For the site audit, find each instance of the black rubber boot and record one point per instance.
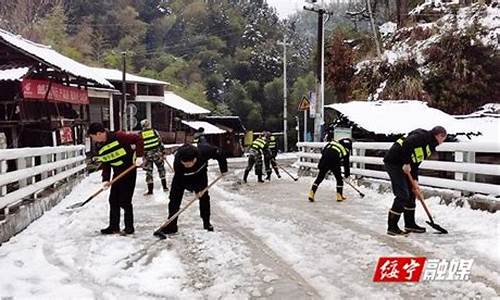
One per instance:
(245, 176)
(164, 184)
(260, 178)
(207, 226)
(128, 230)
(393, 228)
(410, 225)
(268, 177)
(150, 189)
(110, 230)
(170, 229)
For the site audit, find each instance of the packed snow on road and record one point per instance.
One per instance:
(269, 242)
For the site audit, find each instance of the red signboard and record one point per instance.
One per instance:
(66, 135)
(36, 89)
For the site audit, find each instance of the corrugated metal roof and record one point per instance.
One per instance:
(13, 74)
(116, 75)
(53, 58)
(209, 128)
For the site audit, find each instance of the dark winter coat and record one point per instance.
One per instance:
(413, 149)
(198, 173)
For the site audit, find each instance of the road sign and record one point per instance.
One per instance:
(133, 122)
(132, 109)
(304, 104)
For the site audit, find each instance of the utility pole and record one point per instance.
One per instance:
(123, 110)
(285, 114)
(319, 117)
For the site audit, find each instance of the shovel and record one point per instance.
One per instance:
(80, 204)
(421, 198)
(284, 170)
(158, 232)
(352, 185)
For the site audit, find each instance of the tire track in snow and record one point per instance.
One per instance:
(293, 285)
(339, 217)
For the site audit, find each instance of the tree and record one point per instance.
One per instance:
(339, 66)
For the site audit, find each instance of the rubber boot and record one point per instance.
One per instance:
(259, 178)
(410, 225)
(268, 177)
(110, 230)
(164, 184)
(310, 196)
(245, 176)
(150, 190)
(207, 226)
(392, 221)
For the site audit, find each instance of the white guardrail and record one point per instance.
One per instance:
(463, 166)
(35, 170)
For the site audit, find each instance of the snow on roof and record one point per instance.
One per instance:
(397, 117)
(489, 127)
(175, 101)
(13, 74)
(116, 75)
(209, 128)
(52, 57)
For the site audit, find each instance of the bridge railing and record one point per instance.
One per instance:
(25, 172)
(456, 158)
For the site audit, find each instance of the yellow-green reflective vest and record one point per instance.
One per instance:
(112, 153)
(419, 153)
(259, 144)
(151, 140)
(272, 143)
(343, 152)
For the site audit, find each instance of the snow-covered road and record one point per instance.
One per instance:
(269, 242)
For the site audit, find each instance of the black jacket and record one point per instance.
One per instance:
(330, 158)
(198, 173)
(401, 152)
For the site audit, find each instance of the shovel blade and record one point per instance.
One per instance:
(76, 205)
(437, 227)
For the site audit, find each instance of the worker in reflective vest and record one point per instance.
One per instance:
(153, 154)
(405, 156)
(270, 157)
(115, 152)
(333, 155)
(255, 154)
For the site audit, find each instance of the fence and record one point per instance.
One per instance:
(463, 166)
(35, 169)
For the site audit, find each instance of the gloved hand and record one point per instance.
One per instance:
(139, 162)
(106, 185)
(407, 168)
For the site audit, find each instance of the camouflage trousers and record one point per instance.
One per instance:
(254, 158)
(150, 158)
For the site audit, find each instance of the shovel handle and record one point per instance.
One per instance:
(419, 196)
(196, 197)
(110, 183)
